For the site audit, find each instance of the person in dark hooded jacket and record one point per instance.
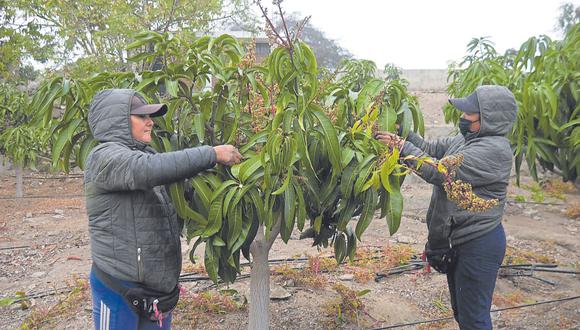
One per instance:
(469, 246)
(133, 227)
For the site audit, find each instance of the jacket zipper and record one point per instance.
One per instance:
(139, 265)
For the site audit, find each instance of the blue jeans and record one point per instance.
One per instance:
(472, 280)
(111, 311)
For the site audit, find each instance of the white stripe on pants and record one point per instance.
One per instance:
(105, 316)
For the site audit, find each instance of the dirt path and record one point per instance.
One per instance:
(44, 248)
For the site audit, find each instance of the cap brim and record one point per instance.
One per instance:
(154, 110)
(464, 105)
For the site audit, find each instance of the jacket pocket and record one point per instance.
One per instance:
(139, 265)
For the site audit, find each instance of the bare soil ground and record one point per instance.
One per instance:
(44, 253)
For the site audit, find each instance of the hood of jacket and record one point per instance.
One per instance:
(110, 117)
(498, 111)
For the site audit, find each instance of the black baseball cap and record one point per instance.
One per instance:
(139, 107)
(469, 104)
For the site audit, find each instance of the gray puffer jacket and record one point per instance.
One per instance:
(486, 166)
(133, 227)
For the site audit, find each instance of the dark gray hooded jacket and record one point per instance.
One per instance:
(133, 227)
(486, 166)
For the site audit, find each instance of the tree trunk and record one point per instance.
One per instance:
(19, 186)
(259, 318)
(259, 287)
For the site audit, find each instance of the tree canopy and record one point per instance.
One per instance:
(93, 34)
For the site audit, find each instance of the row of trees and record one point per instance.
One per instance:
(81, 39)
(544, 75)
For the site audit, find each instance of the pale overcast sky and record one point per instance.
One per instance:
(426, 34)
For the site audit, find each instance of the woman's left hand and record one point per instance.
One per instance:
(390, 139)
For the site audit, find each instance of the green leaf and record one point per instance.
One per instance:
(394, 211)
(64, 137)
(387, 120)
(370, 90)
(215, 216)
(318, 224)
(289, 212)
(301, 207)
(330, 138)
(88, 144)
(284, 186)
(368, 211)
(210, 262)
(202, 190)
(339, 248)
(363, 292)
(217, 241)
(248, 168)
(351, 244)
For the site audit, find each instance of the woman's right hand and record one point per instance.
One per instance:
(227, 154)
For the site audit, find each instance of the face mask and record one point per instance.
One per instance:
(464, 126)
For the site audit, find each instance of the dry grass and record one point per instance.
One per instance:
(557, 188)
(516, 256)
(573, 211)
(195, 311)
(50, 316)
(301, 277)
(369, 260)
(509, 299)
(192, 268)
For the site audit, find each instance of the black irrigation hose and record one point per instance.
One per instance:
(77, 176)
(400, 325)
(548, 268)
(512, 201)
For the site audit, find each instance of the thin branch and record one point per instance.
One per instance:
(271, 25)
(284, 22)
(170, 16)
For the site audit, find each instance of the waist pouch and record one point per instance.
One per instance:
(148, 303)
(442, 260)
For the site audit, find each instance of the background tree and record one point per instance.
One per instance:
(20, 43)
(544, 76)
(328, 52)
(94, 34)
(569, 16)
(20, 142)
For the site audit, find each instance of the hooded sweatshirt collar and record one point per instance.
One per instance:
(498, 111)
(110, 117)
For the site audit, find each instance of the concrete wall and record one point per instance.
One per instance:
(426, 80)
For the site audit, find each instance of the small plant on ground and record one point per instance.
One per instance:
(348, 308)
(573, 211)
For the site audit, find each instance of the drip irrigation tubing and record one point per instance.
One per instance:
(401, 325)
(512, 201)
(412, 266)
(15, 247)
(51, 177)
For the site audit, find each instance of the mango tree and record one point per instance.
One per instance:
(19, 142)
(544, 76)
(310, 157)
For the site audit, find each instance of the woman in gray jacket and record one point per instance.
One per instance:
(134, 229)
(469, 246)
